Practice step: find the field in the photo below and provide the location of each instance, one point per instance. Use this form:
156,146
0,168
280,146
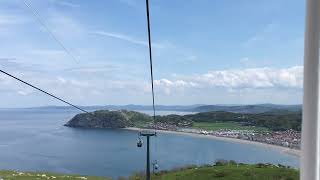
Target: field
14,175
228,172
225,125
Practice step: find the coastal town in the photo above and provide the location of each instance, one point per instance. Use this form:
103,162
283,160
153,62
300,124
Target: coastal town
288,138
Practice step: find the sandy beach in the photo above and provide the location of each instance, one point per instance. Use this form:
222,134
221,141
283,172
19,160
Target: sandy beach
286,150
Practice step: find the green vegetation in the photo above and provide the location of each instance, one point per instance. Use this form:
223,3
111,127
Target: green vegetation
138,119
213,126
14,175
230,171
109,119
273,120
222,170
277,120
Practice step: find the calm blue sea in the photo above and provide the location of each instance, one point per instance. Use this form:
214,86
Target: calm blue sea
36,140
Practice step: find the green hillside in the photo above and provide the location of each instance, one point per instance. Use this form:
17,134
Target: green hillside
227,172
109,119
222,171
277,120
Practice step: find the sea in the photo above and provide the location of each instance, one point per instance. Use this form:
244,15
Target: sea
36,140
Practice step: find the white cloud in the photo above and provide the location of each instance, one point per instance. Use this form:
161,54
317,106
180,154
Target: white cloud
172,86
254,78
48,57
6,20
8,62
121,37
177,83
9,24
129,39
246,85
24,93
47,52
61,80
71,83
66,3
93,69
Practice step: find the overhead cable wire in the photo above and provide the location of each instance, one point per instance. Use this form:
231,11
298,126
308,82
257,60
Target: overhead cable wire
151,75
37,16
47,93
150,58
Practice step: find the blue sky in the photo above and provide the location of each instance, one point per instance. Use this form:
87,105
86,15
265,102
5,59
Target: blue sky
205,51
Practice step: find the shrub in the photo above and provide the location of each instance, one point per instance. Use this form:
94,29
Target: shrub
221,162
232,162
261,165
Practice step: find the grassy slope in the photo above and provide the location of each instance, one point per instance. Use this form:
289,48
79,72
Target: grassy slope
225,172
229,172
225,125
14,175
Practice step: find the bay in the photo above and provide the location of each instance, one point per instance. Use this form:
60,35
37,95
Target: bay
36,140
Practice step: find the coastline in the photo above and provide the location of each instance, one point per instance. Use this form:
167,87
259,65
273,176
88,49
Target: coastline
293,152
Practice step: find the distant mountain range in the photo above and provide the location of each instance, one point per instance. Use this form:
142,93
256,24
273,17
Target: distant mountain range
256,108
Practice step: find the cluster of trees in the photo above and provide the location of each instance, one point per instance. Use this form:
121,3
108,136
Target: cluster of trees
275,120
278,120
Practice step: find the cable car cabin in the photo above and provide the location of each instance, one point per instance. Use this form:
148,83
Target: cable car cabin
139,143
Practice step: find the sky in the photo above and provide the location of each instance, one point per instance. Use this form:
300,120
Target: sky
204,51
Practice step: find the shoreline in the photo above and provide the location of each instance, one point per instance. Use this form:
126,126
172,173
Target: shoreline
289,151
